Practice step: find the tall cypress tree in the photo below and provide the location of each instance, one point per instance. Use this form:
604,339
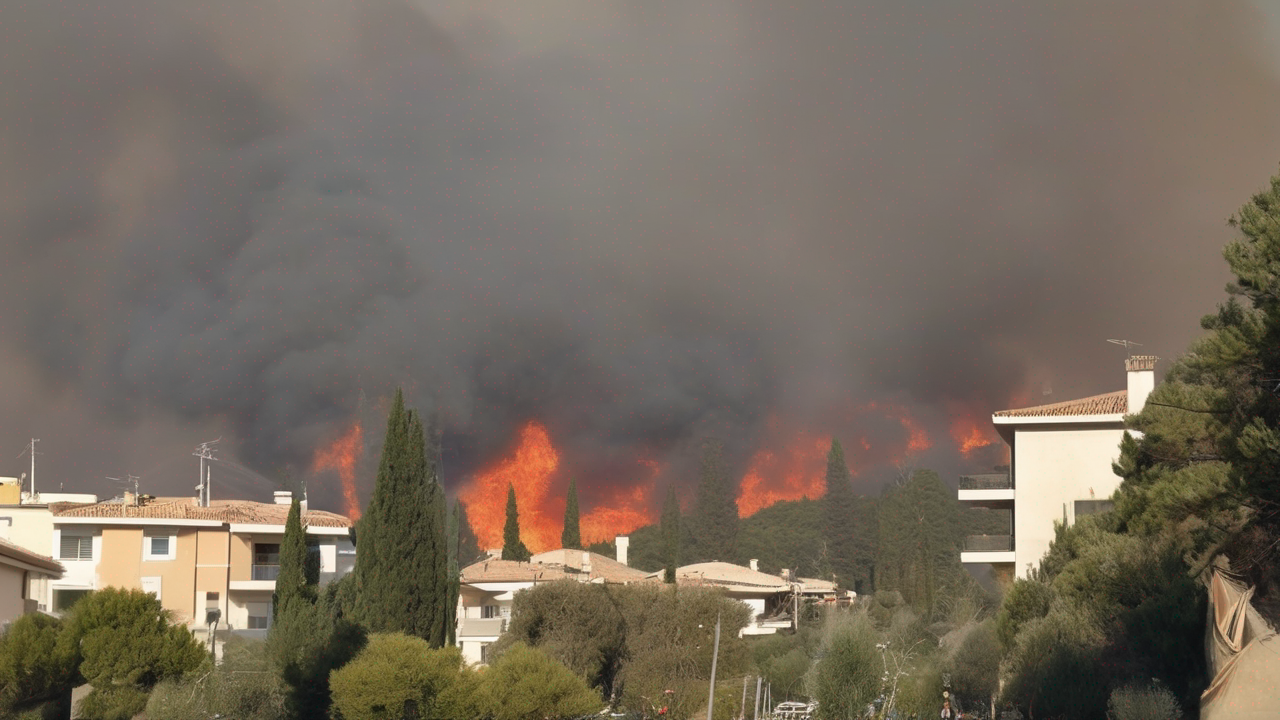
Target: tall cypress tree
571,536
295,620
469,550
401,578
840,516
670,531
716,512
512,546
455,580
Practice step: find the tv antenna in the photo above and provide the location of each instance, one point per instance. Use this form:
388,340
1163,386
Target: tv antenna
126,481
204,451
31,448
1126,344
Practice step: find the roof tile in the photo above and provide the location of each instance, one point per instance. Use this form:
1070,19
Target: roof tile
228,511
1113,403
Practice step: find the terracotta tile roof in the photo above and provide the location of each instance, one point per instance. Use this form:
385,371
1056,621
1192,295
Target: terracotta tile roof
1113,403
22,554
553,565
228,511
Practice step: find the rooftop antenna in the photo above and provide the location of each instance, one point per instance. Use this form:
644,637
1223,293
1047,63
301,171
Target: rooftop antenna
204,451
1126,344
31,448
128,480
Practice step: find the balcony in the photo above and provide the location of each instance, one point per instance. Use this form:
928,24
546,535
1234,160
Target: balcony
993,490
987,549
262,577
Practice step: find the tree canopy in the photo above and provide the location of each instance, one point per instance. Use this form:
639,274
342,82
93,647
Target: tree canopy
513,548
571,536
715,514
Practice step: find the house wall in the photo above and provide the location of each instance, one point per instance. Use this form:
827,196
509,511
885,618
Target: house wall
1055,467
29,527
12,590
213,561
241,557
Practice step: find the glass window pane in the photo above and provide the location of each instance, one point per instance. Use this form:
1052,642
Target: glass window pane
160,546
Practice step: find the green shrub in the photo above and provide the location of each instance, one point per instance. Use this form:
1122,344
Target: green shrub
847,676
1056,667
35,665
526,683
1025,601
394,672
975,669
1152,702
249,695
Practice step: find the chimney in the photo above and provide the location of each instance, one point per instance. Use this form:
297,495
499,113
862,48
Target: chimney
283,497
755,564
1142,380
586,562
622,542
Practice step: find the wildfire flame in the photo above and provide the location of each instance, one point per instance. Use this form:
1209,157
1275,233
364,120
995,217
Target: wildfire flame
798,471
342,455
627,509
529,470
969,435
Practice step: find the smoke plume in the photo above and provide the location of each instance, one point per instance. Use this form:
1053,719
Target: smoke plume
636,223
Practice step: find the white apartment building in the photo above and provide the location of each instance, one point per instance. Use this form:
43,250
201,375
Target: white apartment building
1060,468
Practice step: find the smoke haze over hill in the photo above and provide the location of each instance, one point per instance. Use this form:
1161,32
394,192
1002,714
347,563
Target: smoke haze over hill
637,223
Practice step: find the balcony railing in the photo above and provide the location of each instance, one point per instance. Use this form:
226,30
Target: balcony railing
986,482
266,572
988,543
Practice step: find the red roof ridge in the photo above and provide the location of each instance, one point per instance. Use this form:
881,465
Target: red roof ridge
1112,403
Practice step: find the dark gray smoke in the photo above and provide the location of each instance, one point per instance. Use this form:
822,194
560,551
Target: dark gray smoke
639,222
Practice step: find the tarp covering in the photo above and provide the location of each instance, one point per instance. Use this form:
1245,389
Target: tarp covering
1243,654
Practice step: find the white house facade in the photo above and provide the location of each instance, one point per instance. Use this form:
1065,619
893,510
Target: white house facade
1060,468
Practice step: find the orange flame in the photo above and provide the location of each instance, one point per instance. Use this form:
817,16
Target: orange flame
969,435
626,510
798,471
528,469
342,455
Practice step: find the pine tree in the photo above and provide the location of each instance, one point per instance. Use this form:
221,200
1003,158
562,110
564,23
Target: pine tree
716,512
841,528
512,546
920,539
670,530
571,537
468,546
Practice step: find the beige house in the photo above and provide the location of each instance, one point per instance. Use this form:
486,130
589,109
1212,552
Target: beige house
20,570
196,560
488,589
771,598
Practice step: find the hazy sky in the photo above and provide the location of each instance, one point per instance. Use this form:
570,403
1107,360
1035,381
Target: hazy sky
638,222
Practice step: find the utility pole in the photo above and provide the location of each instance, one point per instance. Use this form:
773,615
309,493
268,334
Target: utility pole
715,655
31,448
756,715
742,711
204,451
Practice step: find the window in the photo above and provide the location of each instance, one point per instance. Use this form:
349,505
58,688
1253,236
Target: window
1092,507
266,553
488,612
159,544
75,547
64,599
484,653
211,599
259,615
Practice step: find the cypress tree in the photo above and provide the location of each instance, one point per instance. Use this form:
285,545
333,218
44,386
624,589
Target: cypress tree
840,518
716,513
468,546
512,547
401,574
455,583
295,621
670,531
571,536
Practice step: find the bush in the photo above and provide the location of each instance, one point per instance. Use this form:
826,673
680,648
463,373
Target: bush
35,665
1025,601
1154,702
578,624
244,687
526,683
975,669
394,672
847,677
1056,667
